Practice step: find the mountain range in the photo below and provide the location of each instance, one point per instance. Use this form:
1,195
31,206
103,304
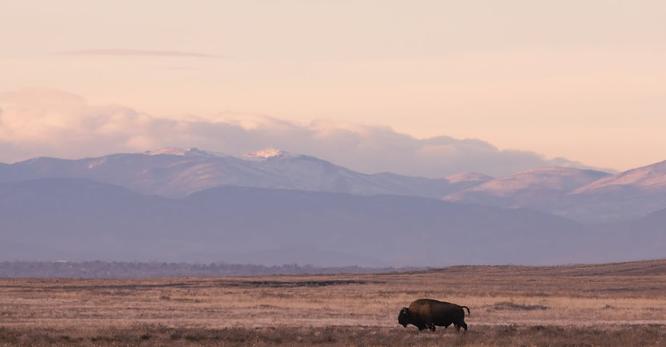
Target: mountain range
580,194
272,207
583,195
177,173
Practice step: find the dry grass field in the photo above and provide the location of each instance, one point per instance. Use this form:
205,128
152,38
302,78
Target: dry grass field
620,304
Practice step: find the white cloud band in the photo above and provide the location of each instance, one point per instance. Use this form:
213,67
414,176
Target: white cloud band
53,123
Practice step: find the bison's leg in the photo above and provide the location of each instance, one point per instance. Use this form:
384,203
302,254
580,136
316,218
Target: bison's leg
431,327
459,325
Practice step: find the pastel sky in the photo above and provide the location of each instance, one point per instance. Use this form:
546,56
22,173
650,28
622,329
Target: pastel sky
584,80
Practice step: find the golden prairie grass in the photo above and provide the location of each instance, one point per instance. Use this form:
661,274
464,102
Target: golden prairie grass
508,335
591,304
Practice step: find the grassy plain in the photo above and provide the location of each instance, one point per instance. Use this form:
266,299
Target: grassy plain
621,304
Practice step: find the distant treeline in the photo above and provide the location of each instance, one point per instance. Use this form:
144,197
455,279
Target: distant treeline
102,269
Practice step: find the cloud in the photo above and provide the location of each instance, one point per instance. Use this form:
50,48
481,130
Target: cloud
139,53
53,123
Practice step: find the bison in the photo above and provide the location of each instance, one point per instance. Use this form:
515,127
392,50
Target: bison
428,313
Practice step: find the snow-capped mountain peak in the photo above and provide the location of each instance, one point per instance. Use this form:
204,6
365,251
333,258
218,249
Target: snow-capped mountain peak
646,177
195,152
167,151
267,153
547,178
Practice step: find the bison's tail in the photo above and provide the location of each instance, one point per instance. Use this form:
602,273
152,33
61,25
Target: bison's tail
465,307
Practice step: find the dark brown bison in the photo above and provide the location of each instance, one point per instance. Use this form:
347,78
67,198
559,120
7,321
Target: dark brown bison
428,313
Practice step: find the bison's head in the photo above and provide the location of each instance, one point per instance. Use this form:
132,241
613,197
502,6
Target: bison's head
403,317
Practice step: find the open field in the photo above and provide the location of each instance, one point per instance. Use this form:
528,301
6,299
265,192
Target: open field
613,304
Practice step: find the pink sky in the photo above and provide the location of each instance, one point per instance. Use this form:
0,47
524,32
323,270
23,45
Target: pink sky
581,80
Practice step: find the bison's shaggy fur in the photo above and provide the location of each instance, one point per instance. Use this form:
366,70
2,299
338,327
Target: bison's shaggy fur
428,313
